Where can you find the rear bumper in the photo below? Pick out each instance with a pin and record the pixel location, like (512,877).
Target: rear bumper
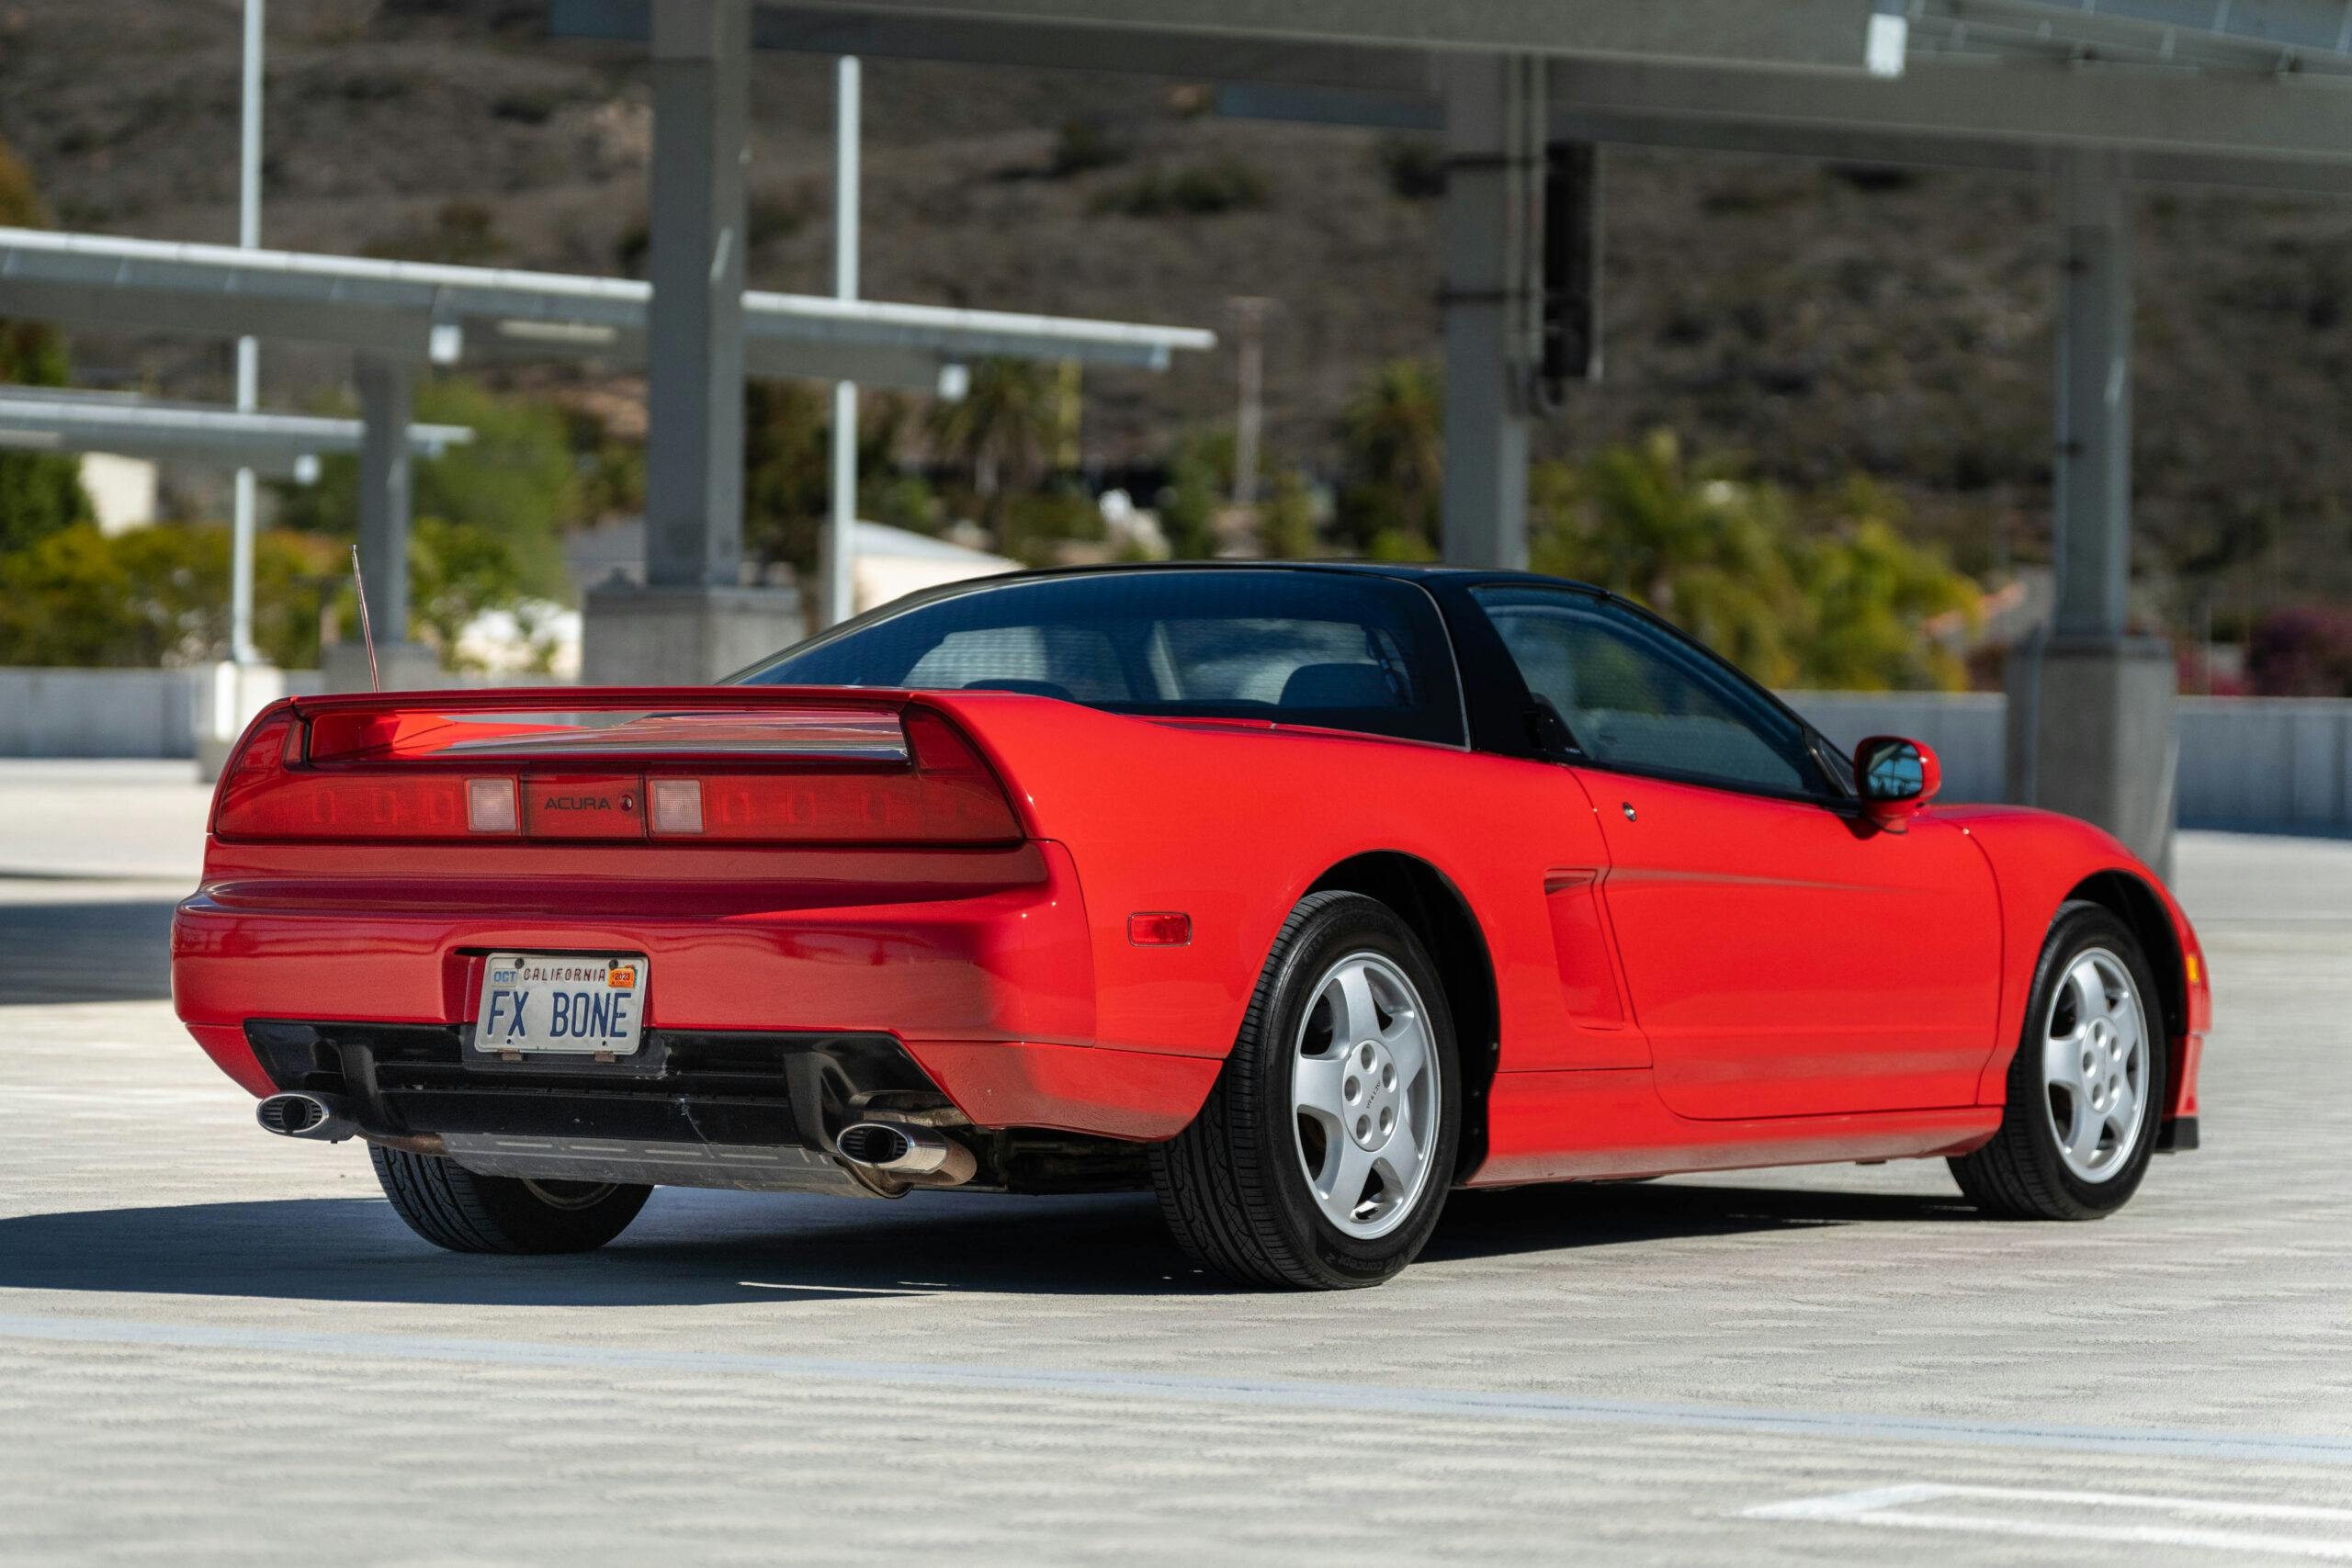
(976,970)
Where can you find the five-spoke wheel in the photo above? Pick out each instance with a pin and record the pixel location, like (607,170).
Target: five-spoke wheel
(1365,1094)
(2095,1064)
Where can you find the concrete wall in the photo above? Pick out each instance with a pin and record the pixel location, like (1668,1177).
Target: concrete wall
(2271,765)
(1968,729)
(97,713)
(2267,764)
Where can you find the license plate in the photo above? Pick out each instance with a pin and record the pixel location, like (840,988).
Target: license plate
(534,1002)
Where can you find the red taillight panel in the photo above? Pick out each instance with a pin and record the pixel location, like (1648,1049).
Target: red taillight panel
(358,806)
(885,777)
(962,800)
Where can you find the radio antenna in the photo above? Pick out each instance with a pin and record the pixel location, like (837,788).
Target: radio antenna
(367,632)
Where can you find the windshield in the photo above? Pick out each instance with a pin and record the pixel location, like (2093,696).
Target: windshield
(1323,647)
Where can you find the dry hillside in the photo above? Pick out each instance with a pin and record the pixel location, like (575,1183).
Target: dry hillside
(1815,320)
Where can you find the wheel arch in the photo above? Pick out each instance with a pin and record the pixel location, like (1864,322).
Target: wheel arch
(2142,910)
(1426,899)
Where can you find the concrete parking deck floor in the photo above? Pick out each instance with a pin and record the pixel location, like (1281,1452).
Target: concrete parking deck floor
(218,1347)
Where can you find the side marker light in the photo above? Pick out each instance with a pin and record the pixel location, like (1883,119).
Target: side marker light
(1159,930)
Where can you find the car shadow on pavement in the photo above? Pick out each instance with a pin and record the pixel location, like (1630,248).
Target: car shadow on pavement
(1583,1214)
(96,950)
(693,1248)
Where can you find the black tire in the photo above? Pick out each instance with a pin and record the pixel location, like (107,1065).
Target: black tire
(452,1207)
(2021,1174)
(1232,1186)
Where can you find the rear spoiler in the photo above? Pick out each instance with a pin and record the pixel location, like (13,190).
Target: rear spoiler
(817,725)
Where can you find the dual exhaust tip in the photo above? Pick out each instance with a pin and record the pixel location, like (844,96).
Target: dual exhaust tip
(915,1155)
(323,1118)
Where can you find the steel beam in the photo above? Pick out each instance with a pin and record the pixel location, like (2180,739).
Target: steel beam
(2019,104)
(385,396)
(2267,36)
(1230,40)
(51,419)
(423,311)
(1937,147)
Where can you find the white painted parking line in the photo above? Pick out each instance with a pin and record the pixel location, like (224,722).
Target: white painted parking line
(1387,1399)
(2205,1524)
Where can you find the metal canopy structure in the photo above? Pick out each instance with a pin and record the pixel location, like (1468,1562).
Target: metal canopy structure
(422,312)
(1373,44)
(2270,36)
(2200,93)
(397,315)
(53,418)
(2093,94)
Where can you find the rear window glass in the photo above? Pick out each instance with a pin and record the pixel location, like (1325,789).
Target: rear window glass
(1324,647)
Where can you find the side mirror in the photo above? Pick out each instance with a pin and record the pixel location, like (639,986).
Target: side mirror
(1894,777)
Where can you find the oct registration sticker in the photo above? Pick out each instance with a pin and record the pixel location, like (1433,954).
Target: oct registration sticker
(538,1003)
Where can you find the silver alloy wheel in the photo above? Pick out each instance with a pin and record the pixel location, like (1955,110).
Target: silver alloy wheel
(1364,1091)
(2095,1064)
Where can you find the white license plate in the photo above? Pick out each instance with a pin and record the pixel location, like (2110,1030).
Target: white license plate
(575,1006)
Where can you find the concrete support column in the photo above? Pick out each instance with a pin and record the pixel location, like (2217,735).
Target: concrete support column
(386,395)
(692,620)
(1494,114)
(694,460)
(2091,722)
(2091,477)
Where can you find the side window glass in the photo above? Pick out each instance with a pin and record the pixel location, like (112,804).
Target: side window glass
(1635,697)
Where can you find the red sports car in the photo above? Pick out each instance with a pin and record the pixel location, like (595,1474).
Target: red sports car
(1298,895)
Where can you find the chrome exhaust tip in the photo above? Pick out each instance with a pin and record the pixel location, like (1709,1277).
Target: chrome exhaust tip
(323,1118)
(914,1154)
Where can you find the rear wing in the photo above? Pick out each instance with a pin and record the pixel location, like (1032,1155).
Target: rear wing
(708,764)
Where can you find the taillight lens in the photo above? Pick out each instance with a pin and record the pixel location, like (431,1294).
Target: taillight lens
(947,796)
(490,806)
(677,805)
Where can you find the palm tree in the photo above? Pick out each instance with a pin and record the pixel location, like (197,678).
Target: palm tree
(1001,427)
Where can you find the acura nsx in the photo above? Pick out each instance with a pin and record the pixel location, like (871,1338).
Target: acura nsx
(1299,896)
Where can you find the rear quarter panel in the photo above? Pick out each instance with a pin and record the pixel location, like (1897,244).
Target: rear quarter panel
(1232,825)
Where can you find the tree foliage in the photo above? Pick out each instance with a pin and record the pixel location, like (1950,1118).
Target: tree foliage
(1286,519)
(788,467)
(41,493)
(160,595)
(1000,430)
(1800,591)
(456,573)
(517,481)
(1393,441)
(157,596)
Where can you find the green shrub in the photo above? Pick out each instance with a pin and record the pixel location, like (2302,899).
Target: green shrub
(1085,143)
(1201,190)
